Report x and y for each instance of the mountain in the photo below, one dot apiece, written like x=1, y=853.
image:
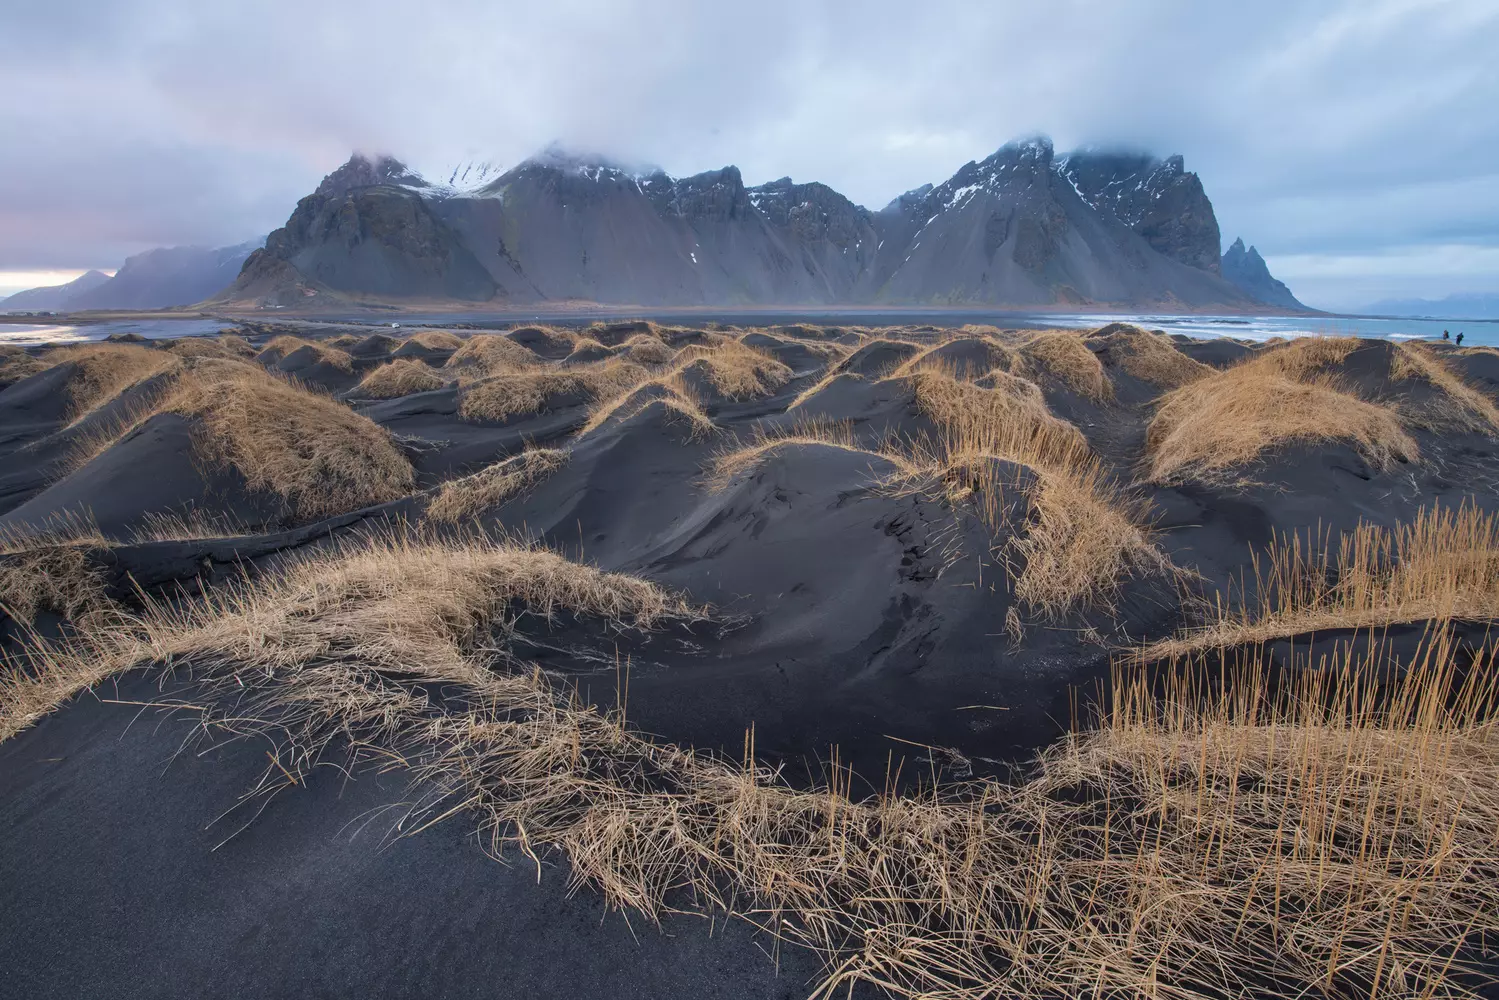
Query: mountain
x=1475, y=305
x=155, y=279
x=1158, y=199
x=1014, y=229
x=1020, y=228
x=170, y=276
x=1248, y=271
x=52, y=298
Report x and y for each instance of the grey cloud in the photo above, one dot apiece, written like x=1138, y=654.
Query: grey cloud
x=1324, y=128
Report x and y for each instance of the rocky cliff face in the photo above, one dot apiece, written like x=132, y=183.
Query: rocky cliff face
x=366, y=230
x=1014, y=229
x=1021, y=228
x=1158, y=199
x=1249, y=273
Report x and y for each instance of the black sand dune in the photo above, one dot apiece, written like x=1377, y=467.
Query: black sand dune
x=311, y=899
x=858, y=613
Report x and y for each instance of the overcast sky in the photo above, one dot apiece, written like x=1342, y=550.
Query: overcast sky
x=1355, y=143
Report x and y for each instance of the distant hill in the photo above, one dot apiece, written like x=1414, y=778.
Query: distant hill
x=51, y=298
x=1463, y=306
x=1248, y=271
x=155, y=279
x=1022, y=227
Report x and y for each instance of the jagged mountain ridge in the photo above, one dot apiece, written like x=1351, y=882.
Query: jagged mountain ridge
x=1021, y=227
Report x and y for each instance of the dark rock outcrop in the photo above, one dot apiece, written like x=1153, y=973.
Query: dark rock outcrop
x=366, y=229
x=1248, y=271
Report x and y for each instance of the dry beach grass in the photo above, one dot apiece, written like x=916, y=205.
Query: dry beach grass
x=1310, y=838
x=1219, y=423
x=401, y=377
x=1441, y=566
x=314, y=452
x=459, y=500
x=1226, y=823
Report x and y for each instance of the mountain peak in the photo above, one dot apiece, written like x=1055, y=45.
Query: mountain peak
x=361, y=171
x=584, y=163
x=1249, y=272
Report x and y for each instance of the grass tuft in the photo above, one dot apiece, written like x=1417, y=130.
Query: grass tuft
x=1228, y=419
x=490, y=354
x=735, y=370
x=1441, y=566
x=401, y=377
x=284, y=345
x=463, y=499
x=1457, y=404
x=517, y=393
x=103, y=371
x=49, y=569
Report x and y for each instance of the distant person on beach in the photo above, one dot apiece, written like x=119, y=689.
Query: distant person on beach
x=1446, y=335
x=1459, y=340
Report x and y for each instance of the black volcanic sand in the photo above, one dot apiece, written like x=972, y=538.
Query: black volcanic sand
x=123, y=877
x=847, y=615
x=855, y=617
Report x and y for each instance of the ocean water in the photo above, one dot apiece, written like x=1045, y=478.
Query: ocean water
x=1481, y=332
x=71, y=333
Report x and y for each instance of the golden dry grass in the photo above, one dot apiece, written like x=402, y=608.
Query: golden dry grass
x=16, y=364
x=1087, y=534
x=463, y=499
x=1062, y=355
x=491, y=354
x=1230, y=418
x=1457, y=403
x=1308, y=357
x=49, y=569
x=103, y=371
x=414, y=606
x=284, y=345
x=735, y=370
x=180, y=526
x=1152, y=357
x=1441, y=566
x=435, y=340
x=1335, y=836
x=669, y=389
x=518, y=393
x=644, y=349
x=316, y=453
x=203, y=347
x=968, y=412
x=742, y=456
x=401, y=377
